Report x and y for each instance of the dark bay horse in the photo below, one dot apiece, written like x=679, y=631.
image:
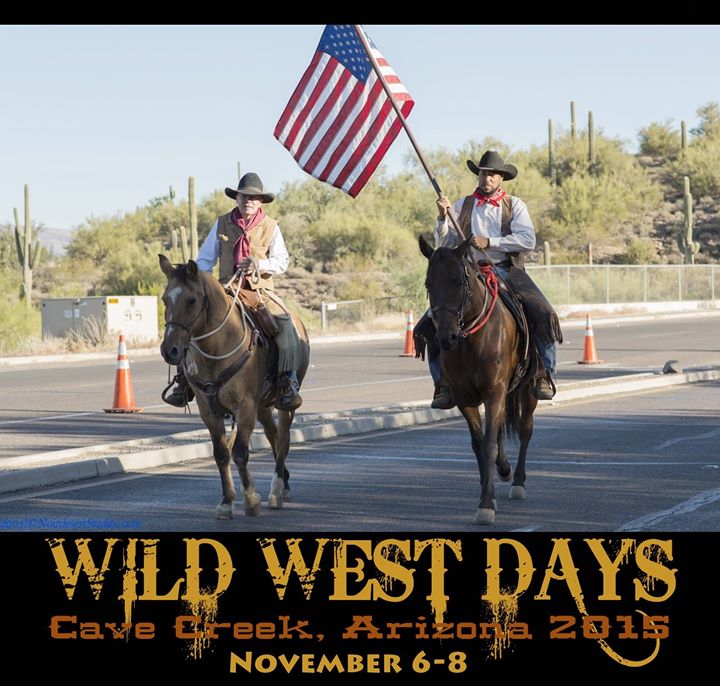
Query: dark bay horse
x=227, y=368
x=479, y=365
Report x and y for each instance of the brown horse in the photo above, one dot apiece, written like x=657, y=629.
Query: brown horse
x=479, y=365
x=227, y=366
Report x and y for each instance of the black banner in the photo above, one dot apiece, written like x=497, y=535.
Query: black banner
x=361, y=607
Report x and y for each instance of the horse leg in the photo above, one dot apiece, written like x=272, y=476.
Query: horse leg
x=221, y=453
x=528, y=405
x=267, y=420
x=494, y=418
x=280, y=488
x=474, y=422
x=241, y=455
x=504, y=468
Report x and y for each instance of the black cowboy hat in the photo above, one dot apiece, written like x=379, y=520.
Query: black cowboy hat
x=250, y=184
x=491, y=161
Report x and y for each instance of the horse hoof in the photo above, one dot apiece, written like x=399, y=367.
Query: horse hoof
x=517, y=493
x=505, y=477
x=252, y=505
x=485, y=515
x=275, y=502
x=223, y=511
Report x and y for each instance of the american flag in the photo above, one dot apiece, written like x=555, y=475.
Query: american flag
x=339, y=122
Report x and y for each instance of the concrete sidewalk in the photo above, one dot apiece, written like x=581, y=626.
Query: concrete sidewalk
x=52, y=468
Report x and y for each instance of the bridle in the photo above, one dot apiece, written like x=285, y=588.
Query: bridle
x=491, y=289
x=205, y=307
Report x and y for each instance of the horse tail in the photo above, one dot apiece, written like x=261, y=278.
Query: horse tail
x=512, y=414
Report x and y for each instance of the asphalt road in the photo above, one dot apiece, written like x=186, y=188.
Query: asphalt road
x=53, y=407
x=647, y=461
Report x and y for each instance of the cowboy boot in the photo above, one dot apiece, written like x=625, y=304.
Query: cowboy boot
x=443, y=398
x=544, y=389
x=289, y=398
x=181, y=394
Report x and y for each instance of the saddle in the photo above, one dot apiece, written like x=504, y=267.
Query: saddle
x=530, y=365
x=253, y=302
x=264, y=321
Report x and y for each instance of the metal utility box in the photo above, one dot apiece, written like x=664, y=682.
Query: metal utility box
x=135, y=316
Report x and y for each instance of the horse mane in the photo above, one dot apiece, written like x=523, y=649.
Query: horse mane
x=206, y=278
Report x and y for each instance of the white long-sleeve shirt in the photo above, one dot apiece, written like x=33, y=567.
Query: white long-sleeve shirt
x=486, y=221
x=276, y=262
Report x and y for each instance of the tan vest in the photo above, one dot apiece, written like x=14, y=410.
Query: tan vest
x=228, y=232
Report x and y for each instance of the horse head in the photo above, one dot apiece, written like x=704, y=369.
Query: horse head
x=448, y=287
x=185, y=299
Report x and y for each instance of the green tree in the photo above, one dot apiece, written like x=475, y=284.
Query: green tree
x=659, y=140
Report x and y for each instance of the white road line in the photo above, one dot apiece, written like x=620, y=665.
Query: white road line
x=651, y=520
x=527, y=528
x=83, y=414
x=696, y=437
x=471, y=458
x=666, y=334
x=45, y=419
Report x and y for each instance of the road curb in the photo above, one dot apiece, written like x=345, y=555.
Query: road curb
x=33, y=471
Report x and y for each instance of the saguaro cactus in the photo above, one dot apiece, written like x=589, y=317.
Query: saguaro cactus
x=573, y=129
x=551, y=153
x=28, y=253
x=189, y=250
x=184, y=249
x=193, y=219
x=683, y=138
x=591, y=140
x=685, y=236
x=546, y=254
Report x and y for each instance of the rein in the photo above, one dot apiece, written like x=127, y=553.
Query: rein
x=491, y=285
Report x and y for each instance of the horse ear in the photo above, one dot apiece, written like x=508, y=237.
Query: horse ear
x=192, y=269
x=425, y=248
x=167, y=268
x=462, y=249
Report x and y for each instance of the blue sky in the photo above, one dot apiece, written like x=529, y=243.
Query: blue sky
x=99, y=119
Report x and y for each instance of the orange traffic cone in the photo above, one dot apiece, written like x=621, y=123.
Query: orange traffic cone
x=409, y=350
x=589, y=356
x=124, y=400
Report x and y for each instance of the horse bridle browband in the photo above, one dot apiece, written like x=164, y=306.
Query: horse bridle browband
x=204, y=308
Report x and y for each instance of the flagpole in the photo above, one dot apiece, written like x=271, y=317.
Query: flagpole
x=388, y=92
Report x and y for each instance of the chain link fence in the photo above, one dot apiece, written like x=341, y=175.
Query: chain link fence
x=371, y=313
x=563, y=285
x=608, y=283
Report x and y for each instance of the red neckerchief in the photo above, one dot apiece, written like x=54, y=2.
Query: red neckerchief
x=493, y=199
x=241, y=248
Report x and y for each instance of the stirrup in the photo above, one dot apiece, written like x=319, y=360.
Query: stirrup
x=181, y=394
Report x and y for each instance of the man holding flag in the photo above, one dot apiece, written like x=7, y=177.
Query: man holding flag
x=341, y=120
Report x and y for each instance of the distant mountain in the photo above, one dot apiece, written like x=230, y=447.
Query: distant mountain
x=55, y=240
